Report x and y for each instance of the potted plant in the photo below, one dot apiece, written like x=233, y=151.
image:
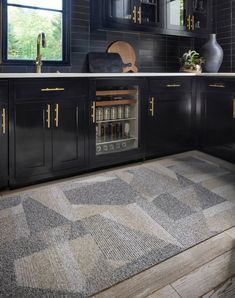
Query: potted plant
x=191, y=62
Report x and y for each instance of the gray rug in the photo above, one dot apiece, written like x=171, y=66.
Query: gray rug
x=77, y=238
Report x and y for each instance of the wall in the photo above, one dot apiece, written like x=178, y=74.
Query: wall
x=156, y=53
x=224, y=24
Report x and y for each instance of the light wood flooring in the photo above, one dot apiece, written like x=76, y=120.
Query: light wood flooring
x=205, y=270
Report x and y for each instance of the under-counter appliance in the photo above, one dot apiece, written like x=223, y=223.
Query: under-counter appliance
x=115, y=117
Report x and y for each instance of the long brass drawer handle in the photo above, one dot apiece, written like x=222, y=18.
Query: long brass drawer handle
x=152, y=106
x=48, y=116
x=217, y=85
x=139, y=15
x=93, y=111
x=52, y=89
x=4, y=121
x=234, y=109
x=173, y=85
x=135, y=15
x=56, y=115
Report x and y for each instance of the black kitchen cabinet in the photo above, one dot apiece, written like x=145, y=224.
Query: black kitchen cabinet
x=68, y=134
x=192, y=16
x=177, y=14
x=201, y=16
x=3, y=134
x=173, y=17
x=47, y=129
x=218, y=120
x=169, y=120
x=116, y=121
x=140, y=15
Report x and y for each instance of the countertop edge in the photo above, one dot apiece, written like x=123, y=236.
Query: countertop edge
x=109, y=75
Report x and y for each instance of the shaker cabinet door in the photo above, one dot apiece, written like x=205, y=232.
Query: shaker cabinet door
x=32, y=133
x=168, y=124
x=68, y=135
x=3, y=144
x=219, y=125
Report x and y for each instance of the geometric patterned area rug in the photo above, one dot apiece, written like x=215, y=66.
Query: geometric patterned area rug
x=76, y=238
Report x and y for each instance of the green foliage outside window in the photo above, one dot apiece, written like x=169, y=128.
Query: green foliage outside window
x=24, y=25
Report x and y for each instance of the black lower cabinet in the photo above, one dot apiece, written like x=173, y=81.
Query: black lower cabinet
x=47, y=133
x=218, y=124
x=169, y=121
x=68, y=135
x=3, y=134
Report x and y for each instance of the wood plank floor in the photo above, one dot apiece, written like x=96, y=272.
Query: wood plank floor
x=205, y=270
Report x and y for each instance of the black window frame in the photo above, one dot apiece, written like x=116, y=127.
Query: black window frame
x=65, y=32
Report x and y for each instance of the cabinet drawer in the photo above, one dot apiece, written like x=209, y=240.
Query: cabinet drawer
x=219, y=85
x=3, y=91
x=170, y=84
x=50, y=88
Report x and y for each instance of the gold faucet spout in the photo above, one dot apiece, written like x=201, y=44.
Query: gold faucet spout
x=41, y=42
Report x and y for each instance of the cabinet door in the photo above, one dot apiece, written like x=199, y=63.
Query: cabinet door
x=68, y=135
x=32, y=141
x=3, y=144
x=178, y=14
x=121, y=11
x=201, y=19
x=219, y=125
x=169, y=124
x=116, y=119
x=149, y=12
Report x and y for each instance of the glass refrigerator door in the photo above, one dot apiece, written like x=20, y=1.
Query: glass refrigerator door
x=116, y=117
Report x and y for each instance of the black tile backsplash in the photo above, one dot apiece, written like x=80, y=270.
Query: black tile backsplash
x=155, y=53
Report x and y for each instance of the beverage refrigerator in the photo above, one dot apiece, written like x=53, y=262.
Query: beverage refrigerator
x=116, y=118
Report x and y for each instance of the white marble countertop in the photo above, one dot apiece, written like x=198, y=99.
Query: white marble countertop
x=106, y=75
x=90, y=75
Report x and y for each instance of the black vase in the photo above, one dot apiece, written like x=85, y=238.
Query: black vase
x=213, y=55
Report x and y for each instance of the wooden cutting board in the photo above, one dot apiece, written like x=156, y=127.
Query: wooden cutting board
x=127, y=53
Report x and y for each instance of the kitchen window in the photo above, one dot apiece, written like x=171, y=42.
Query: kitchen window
x=23, y=20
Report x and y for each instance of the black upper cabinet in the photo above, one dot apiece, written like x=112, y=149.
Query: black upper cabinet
x=47, y=129
x=191, y=16
x=140, y=15
x=3, y=133
x=176, y=17
x=177, y=12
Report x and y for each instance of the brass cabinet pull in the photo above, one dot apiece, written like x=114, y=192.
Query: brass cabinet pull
x=4, y=121
x=217, y=85
x=173, y=85
x=189, y=22
x=193, y=23
x=48, y=116
x=93, y=110
x=56, y=115
x=234, y=109
x=135, y=15
x=152, y=106
x=52, y=89
x=139, y=15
